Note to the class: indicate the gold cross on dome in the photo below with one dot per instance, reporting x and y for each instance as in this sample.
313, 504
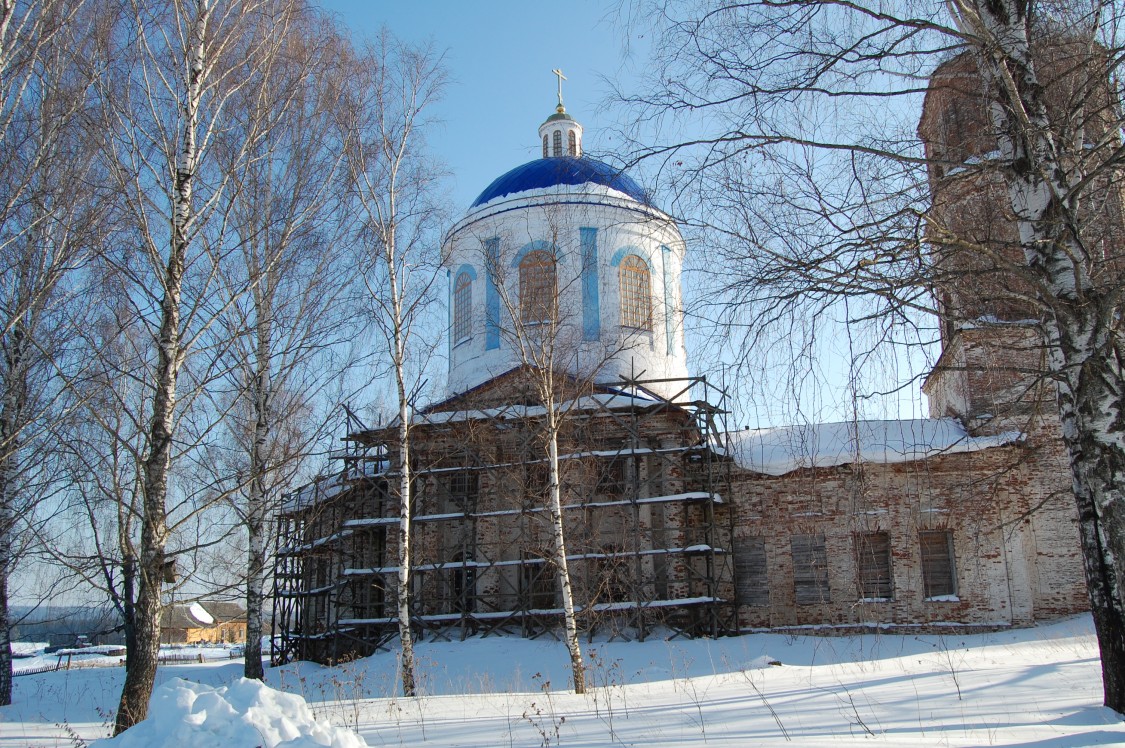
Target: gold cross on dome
559, 73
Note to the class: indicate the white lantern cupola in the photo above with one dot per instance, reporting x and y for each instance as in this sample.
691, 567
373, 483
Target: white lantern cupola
561, 135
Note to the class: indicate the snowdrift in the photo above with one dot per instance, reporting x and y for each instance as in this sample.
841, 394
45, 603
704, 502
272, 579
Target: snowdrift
183, 714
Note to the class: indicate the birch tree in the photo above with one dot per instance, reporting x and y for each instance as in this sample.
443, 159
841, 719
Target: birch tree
47, 52
175, 70
545, 339
393, 186
804, 169
293, 324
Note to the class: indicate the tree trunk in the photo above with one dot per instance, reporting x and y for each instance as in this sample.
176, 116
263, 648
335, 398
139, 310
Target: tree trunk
255, 585
5, 566
140, 675
562, 568
256, 496
11, 414
128, 608
1083, 345
1090, 388
406, 636
140, 678
404, 632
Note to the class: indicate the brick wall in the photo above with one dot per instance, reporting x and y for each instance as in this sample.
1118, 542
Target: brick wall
1008, 512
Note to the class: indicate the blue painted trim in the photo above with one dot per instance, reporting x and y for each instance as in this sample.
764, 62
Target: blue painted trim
624, 252
449, 318
491, 295
591, 306
466, 268
669, 313
535, 246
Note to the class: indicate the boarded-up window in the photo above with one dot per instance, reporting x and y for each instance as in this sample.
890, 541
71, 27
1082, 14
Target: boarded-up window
750, 582
810, 569
938, 578
873, 565
537, 287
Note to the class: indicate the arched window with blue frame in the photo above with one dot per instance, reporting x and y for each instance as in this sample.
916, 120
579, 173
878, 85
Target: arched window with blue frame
636, 293
462, 307
538, 287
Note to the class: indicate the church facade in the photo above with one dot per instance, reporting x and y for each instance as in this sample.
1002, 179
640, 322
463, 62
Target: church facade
674, 525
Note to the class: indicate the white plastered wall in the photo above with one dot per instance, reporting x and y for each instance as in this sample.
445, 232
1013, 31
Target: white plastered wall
557, 217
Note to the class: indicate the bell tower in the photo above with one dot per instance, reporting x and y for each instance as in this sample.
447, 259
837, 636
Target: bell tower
988, 374
992, 368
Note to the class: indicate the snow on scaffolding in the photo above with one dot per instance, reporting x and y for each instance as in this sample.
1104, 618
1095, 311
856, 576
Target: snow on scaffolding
320, 489
600, 401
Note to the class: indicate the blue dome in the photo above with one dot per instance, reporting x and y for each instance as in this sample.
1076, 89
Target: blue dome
551, 172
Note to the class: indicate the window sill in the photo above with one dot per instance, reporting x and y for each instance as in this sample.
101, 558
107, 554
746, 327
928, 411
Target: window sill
462, 341
876, 600
942, 599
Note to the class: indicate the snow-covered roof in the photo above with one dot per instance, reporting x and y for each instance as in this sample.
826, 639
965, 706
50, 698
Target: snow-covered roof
199, 613
776, 451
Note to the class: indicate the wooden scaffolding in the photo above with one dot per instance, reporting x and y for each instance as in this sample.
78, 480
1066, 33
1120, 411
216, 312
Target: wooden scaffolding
649, 537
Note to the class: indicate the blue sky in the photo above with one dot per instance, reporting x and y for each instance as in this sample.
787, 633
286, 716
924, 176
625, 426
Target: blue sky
500, 55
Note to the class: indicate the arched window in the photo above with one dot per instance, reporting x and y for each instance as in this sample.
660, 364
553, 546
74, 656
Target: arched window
558, 142
545, 154
462, 307
636, 293
572, 143
537, 287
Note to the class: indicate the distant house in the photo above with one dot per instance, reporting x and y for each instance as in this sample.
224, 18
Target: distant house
205, 621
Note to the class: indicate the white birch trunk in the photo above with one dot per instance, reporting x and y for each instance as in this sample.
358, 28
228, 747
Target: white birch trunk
141, 673
1083, 346
398, 343
256, 495
10, 409
404, 563
562, 568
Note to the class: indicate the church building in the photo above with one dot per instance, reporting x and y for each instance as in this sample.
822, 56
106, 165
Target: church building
565, 268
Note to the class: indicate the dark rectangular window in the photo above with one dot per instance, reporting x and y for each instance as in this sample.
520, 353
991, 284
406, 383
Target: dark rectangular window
810, 569
938, 578
613, 477
463, 491
873, 565
750, 581
539, 587
537, 479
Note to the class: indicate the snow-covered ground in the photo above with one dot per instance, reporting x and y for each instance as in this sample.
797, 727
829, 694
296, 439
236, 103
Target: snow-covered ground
1037, 687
